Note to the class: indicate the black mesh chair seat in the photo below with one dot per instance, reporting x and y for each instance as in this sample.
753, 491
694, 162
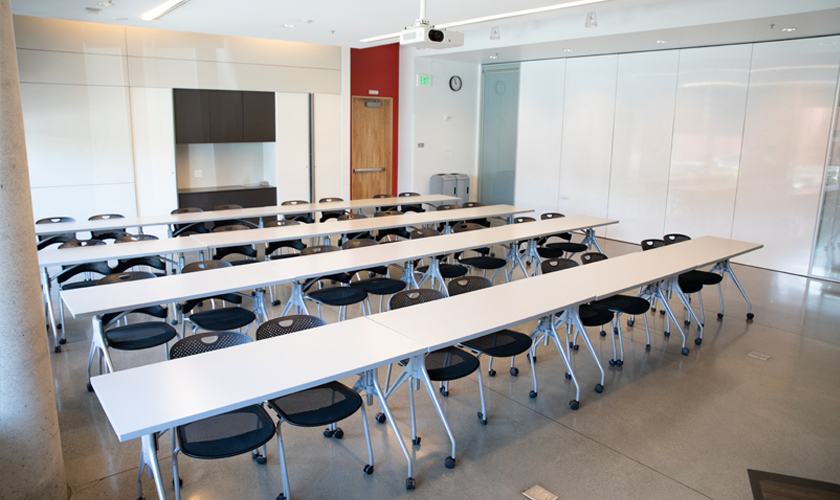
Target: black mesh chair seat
688, 285
338, 295
227, 435
318, 406
552, 265
569, 247
448, 271
704, 277
550, 253
450, 363
243, 262
380, 286
484, 262
594, 315
283, 256
228, 318
627, 304
140, 335
287, 324
79, 284
502, 344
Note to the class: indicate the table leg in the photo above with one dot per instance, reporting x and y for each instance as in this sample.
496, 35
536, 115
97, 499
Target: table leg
45, 288
371, 386
589, 239
408, 275
724, 267
515, 260
657, 292
296, 300
546, 328
149, 459
259, 305
433, 273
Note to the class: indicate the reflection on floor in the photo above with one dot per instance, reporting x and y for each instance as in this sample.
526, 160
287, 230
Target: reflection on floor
666, 425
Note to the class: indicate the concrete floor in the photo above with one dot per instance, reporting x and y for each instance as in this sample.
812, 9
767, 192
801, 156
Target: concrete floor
666, 425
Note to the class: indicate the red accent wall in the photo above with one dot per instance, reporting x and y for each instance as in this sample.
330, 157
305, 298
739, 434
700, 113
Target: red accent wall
378, 68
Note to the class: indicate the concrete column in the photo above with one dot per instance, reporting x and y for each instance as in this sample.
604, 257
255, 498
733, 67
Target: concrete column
31, 459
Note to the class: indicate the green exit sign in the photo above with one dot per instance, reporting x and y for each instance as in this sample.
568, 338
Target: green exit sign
424, 80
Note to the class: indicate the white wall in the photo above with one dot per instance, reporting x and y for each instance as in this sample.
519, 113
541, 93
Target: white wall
728, 141
97, 104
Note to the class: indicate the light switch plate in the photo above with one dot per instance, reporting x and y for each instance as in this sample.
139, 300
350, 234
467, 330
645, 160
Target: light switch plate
537, 492
197, 173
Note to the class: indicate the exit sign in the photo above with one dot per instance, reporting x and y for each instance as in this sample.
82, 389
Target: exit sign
424, 80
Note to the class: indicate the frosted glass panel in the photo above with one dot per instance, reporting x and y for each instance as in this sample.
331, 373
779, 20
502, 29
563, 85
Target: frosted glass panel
644, 117
708, 122
540, 126
497, 163
826, 260
791, 102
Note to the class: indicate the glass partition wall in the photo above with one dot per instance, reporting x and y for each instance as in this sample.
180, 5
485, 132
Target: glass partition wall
497, 155
825, 262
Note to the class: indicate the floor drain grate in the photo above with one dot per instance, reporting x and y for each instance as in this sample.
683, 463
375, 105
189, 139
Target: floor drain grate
758, 355
537, 492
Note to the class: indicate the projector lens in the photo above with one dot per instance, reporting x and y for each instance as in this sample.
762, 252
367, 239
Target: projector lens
436, 35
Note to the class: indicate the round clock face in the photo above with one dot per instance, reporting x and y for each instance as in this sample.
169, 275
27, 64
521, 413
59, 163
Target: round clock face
455, 83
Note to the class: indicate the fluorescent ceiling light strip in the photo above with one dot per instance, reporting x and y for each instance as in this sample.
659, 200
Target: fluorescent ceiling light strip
162, 9
518, 13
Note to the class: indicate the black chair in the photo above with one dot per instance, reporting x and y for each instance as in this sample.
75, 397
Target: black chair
515, 252
442, 365
325, 404
108, 234
227, 435
404, 208
387, 208
58, 238
274, 246
231, 222
129, 337
334, 214
247, 251
90, 272
150, 262
353, 236
306, 218
215, 320
474, 204
187, 229
565, 248
695, 280
590, 257
374, 286
437, 269
397, 232
484, 259
501, 344
337, 296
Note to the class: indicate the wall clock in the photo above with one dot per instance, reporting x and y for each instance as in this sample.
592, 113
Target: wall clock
455, 83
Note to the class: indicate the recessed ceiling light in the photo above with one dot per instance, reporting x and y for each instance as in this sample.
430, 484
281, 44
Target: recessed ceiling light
568, 50
789, 29
162, 10
494, 56
662, 41
120, 19
307, 21
92, 10
105, 4
288, 25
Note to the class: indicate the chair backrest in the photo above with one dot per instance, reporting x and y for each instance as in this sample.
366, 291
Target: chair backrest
472, 204
411, 297
672, 238
156, 311
551, 215
206, 342
466, 284
106, 217
328, 200
407, 194
81, 243
281, 223
319, 249
55, 220
551, 265
522, 220
204, 265
423, 232
447, 207
590, 257
352, 217
150, 261
652, 243
186, 210
466, 226
294, 202
378, 196
135, 237
232, 227
363, 242
387, 213
100, 268
123, 277
287, 324
227, 207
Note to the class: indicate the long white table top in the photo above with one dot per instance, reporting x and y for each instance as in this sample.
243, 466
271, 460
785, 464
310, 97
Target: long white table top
156, 397
98, 300
244, 213
70, 256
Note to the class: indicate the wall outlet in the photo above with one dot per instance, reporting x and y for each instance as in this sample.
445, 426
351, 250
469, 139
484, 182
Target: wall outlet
197, 173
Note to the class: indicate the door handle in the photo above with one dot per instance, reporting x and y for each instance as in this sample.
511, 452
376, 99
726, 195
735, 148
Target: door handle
368, 170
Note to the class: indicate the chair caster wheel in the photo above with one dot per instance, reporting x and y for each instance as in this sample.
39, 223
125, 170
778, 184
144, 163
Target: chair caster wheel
662, 312
687, 323
491, 373
698, 341
62, 341
573, 404
338, 434
532, 394
174, 322
612, 362
368, 469
603, 333
482, 419
180, 482
568, 376
647, 347
444, 392
280, 497
575, 347
750, 315
59, 326
572, 345
328, 433
416, 441
720, 315
275, 303
615, 330
89, 387
684, 351
667, 334
630, 322
260, 459
599, 388
409, 483
449, 463
514, 371
380, 417
57, 349
619, 362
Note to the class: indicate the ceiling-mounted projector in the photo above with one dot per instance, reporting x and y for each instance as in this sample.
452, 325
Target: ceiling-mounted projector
427, 37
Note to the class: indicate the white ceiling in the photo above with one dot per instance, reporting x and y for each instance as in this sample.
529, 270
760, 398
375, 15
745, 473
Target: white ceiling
624, 25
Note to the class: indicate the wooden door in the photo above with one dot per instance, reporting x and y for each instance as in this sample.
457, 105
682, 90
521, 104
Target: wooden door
372, 145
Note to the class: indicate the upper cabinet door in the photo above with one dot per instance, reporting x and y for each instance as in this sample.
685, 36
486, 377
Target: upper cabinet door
258, 112
226, 120
192, 116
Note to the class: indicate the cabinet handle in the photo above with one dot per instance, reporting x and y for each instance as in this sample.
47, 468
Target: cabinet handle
368, 170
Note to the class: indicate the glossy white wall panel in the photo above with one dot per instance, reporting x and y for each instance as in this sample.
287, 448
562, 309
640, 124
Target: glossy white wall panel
791, 96
588, 119
644, 117
80, 202
150, 72
153, 133
539, 133
77, 135
44, 66
708, 124
68, 36
328, 179
292, 146
164, 44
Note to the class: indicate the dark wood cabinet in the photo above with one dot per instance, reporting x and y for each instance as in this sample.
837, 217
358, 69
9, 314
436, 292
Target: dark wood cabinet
214, 116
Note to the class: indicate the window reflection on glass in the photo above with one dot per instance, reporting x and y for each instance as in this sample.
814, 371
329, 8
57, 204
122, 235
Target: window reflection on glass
826, 260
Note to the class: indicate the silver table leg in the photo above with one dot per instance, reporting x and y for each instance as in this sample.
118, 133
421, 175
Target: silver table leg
724, 267
589, 239
149, 459
45, 288
296, 300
